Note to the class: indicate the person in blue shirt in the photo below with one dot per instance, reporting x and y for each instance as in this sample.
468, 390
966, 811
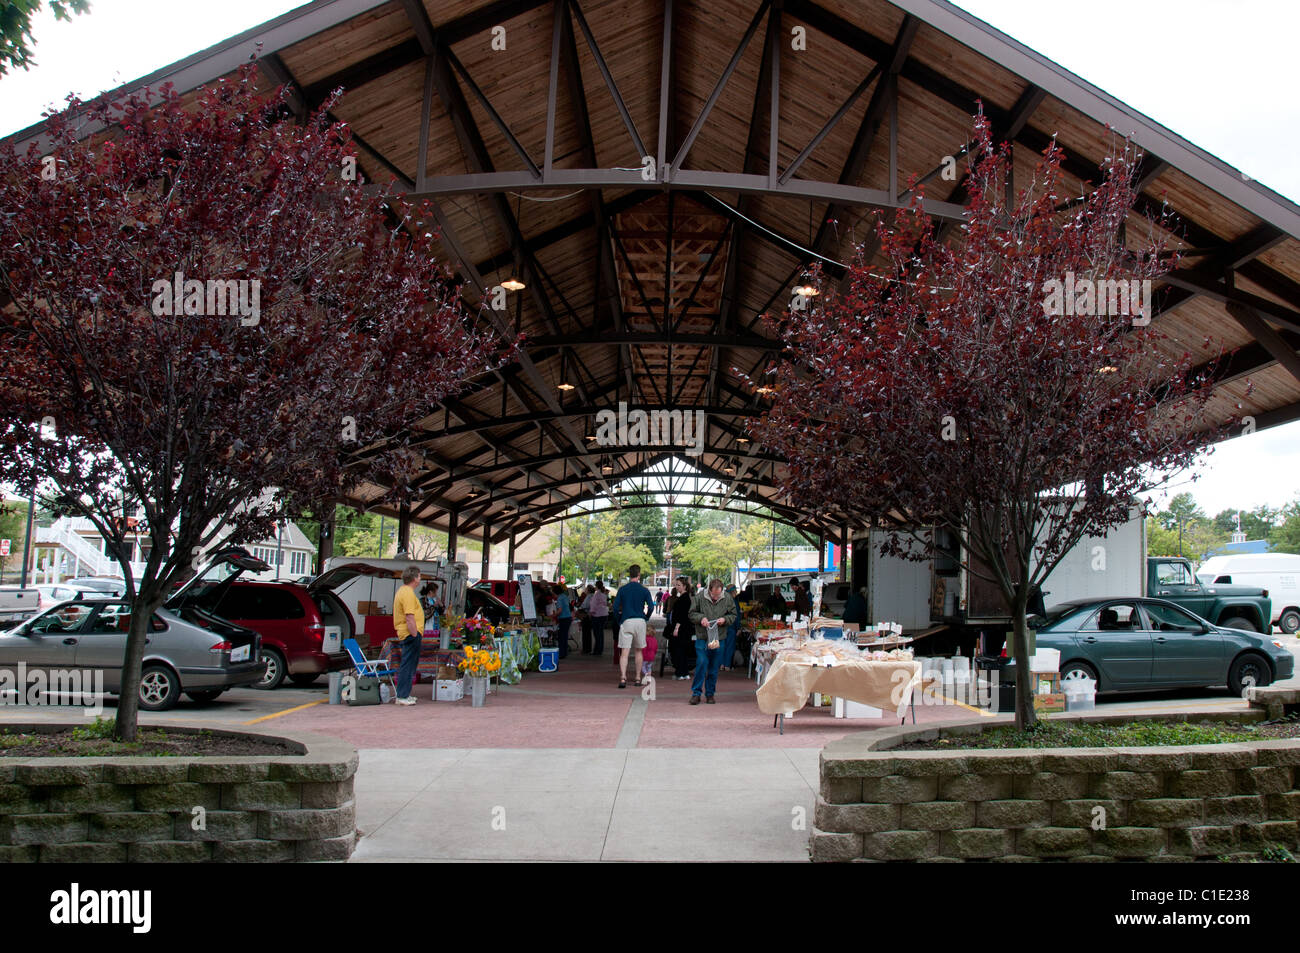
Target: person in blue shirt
632, 606
565, 619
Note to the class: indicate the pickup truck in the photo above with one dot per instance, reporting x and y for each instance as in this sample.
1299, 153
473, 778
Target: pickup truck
1233, 607
17, 604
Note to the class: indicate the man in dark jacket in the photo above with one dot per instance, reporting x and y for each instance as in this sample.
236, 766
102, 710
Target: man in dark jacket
713, 611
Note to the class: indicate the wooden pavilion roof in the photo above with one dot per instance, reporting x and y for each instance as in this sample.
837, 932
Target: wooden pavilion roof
648, 287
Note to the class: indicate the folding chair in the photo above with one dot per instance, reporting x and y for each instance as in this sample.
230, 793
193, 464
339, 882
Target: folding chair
368, 667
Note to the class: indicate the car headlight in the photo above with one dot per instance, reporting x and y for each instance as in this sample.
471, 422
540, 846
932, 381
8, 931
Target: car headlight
1281, 646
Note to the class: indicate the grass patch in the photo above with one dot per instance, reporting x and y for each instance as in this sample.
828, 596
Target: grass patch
1135, 734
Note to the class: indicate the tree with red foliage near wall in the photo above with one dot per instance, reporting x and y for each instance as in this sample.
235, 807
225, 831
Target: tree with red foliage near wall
952, 388
216, 425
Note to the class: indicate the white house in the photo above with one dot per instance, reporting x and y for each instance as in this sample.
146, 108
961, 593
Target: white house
72, 546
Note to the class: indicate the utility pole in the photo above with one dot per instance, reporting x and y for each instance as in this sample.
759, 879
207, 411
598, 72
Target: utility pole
27, 541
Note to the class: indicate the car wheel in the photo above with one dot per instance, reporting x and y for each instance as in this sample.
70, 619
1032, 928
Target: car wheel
305, 679
206, 695
274, 669
159, 688
1083, 668
1248, 670
1290, 622
1239, 622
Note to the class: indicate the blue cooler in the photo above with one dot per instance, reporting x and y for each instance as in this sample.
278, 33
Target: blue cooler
549, 660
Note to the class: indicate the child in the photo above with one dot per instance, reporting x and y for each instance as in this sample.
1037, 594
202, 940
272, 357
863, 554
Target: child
648, 656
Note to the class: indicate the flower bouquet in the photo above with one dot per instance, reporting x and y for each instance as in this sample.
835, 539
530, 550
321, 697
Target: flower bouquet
472, 630
480, 662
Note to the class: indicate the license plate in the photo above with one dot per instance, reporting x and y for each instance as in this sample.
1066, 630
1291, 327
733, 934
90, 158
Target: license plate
239, 653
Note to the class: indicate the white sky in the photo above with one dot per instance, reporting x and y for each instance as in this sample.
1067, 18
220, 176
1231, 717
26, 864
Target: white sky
1220, 74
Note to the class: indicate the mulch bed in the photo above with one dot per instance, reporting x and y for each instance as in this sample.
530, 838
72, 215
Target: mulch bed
74, 742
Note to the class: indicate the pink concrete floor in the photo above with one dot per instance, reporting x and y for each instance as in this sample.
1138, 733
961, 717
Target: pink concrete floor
580, 706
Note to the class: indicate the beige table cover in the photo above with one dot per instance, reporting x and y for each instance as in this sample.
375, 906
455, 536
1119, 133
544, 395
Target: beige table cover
884, 685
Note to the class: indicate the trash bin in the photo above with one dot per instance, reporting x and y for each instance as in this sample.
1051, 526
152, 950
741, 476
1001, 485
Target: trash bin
1004, 671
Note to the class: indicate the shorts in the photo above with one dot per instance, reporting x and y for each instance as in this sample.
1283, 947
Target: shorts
631, 634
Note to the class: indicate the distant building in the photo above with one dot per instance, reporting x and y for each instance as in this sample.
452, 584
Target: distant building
72, 546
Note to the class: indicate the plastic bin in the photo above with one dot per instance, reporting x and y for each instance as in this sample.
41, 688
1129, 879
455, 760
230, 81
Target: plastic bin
1080, 693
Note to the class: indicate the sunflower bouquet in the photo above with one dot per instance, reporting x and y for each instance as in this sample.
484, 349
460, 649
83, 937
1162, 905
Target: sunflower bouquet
480, 662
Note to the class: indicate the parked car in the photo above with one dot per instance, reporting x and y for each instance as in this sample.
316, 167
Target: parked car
292, 620
1131, 644
18, 603
1279, 573
492, 608
507, 590
199, 656
98, 584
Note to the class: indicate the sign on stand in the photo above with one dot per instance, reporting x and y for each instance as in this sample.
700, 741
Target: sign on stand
527, 602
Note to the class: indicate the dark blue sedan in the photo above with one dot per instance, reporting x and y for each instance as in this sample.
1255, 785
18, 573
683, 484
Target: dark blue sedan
1132, 645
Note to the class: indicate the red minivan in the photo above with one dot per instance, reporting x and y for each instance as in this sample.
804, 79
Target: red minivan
291, 619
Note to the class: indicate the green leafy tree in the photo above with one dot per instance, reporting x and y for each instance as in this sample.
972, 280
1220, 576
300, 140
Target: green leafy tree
645, 527
1182, 508
355, 533
1256, 523
591, 543
1285, 537
16, 40
13, 527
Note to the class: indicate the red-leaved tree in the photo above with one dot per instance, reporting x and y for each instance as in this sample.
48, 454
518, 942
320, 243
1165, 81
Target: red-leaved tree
1000, 385
211, 314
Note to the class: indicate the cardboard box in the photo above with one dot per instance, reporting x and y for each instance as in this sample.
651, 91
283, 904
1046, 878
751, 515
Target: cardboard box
368, 608
1049, 703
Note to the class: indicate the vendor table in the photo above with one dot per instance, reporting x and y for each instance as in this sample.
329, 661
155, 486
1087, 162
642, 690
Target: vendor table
886, 685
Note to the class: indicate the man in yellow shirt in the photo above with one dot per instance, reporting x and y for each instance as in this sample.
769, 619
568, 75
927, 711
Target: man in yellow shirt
408, 625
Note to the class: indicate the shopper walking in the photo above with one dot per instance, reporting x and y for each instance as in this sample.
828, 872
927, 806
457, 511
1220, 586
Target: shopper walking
855, 611
598, 606
679, 630
713, 611
584, 619
632, 607
408, 626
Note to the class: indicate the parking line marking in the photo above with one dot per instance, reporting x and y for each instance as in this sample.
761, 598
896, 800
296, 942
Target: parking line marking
287, 711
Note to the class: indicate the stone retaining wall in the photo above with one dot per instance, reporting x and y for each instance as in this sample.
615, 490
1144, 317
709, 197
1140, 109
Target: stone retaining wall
282, 808
1158, 803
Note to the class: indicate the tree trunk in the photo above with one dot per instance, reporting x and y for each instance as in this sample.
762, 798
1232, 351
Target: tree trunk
128, 705
1026, 717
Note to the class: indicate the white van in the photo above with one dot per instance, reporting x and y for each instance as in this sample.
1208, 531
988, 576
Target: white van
1279, 573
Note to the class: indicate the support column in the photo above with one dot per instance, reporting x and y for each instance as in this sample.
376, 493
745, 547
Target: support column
821, 553
404, 528
510, 557
325, 545
487, 549
452, 522
844, 553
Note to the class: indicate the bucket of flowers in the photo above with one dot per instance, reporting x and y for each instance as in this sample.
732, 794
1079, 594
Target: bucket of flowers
480, 664
471, 630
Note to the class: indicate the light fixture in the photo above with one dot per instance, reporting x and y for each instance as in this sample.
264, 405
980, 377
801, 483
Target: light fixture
765, 390
513, 284
808, 291
1108, 369
591, 436
564, 376
742, 440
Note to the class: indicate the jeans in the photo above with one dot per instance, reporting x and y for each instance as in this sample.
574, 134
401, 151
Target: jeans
598, 634
410, 659
707, 661
563, 634
729, 644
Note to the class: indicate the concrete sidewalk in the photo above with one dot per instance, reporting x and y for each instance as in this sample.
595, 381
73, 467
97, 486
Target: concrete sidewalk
563, 804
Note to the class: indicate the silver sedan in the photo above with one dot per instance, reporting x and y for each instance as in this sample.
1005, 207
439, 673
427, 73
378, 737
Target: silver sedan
84, 640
